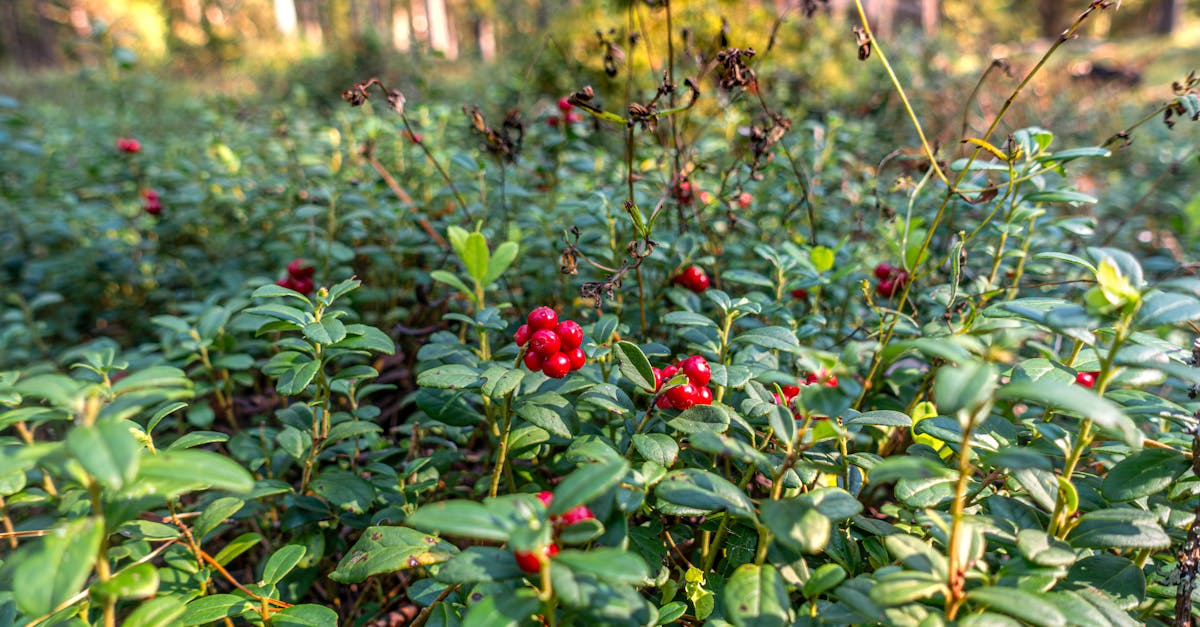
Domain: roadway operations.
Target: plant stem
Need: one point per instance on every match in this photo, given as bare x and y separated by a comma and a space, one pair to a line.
502, 447
958, 577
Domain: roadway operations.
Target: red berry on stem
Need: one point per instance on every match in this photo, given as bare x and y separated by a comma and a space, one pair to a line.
669, 372
658, 378
552, 121
546, 497
884, 271
577, 356
542, 318
128, 145
564, 104
663, 402
300, 269
744, 199
885, 288
304, 286
522, 335
790, 391
531, 562
801, 294
1086, 379
697, 370
287, 282
831, 382
704, 396
533, 361
682, 396
556, 366
545, 343
579, 513
570, 334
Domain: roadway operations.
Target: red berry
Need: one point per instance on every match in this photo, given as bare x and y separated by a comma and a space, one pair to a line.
542, 318
790, 391
552, 121
697, 370
801, 294
533, 361
811, 378
304, 286
658, 378
900, 279
150, 195
669, 372
153, 207
663, 402
693, 278
287, 282
579, 513
546, 497
705, 197
577, 356
704, 396
884, 271
522, 335
574, 118
564, 104
531, 562
570, 334
128, 145
1087, 379
744, 199
682, 396
412, 137
544, 343
300, 269
831, 382
556, 366
885, 288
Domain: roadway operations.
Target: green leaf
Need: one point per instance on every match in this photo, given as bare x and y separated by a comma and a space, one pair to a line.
1060, 195
295, 379
1162, 308
507, 610
1040, 548
135, 582
701, 418
773, 338
467, 519
632, 363
905, 587
1118, 577
361, 337
797, 524
448, 377
502, 258
272, 290
826, 577
345, 489
281, 563
880, 418
1146, 472
175, 472
659, 448
1119, 529
964, 387
198, 438
703, 490
547, 410
607, 564
1027, 606
442, 276
822, 258
236, 547
756, 597
151, 378
307, 615
479, 564
281, 312
586, 483
214, 514
108, 451
59, 566
160, 612
1074, 398
390, 549
212, 608
688, 319
475, 256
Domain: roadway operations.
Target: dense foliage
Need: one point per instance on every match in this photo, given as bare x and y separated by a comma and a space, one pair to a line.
653, 352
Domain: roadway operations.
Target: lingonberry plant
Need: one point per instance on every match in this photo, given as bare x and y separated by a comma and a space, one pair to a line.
681, 359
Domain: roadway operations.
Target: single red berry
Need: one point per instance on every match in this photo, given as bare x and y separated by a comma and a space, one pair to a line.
683, 193
705, 197
658, 378
663, 402
546, 497
579, 513
533, 361
831, 382
304, 286
744, 199
693, 278
570, 334
300, 269
790, 391
669, 372
150, 194
682, 396
801, 294
577, 356
884, 271
885, 288
556, 366
1086, 379
153, 207
704, 396
542, 318
697, 370
128, 145
528, 561
564, 104
287, 282
552, 121
544, 343
522, 335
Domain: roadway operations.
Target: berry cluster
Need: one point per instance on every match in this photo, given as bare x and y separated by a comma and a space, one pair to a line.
683, 396
1087, 379
128, 145
568, 116
532, 561
692, 278
823, 377
891, 280
551, 346
151, 202
299, 278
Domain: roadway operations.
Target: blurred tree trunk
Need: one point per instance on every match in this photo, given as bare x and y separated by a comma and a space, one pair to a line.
1169, 14
1052, 15
26, 36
